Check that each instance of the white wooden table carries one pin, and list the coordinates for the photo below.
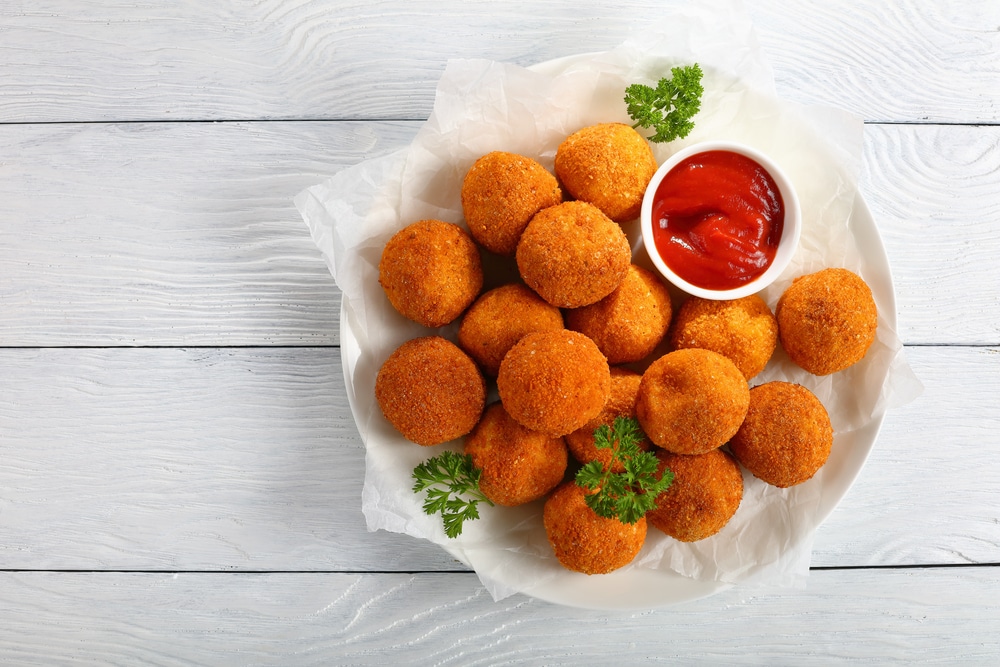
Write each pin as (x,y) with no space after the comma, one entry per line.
(180,473)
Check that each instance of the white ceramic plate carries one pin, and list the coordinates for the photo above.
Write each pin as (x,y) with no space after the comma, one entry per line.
(642,588)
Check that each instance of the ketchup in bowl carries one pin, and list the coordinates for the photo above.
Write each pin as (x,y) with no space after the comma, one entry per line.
(716,218)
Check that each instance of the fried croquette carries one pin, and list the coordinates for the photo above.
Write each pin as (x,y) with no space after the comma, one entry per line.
(608,165)
(692,401)
(705,493)
(573,255)
(501,193)
(431,271)
(620,403)
(629,323)
(430,390)
(499,318)
(554,381)
(582,540)
(786,436)
(518,465)
(744,330)
(827,320)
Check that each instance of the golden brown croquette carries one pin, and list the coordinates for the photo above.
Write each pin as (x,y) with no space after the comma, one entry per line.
(827,320)
(554,381)
(518,465)
(431,271)
(620,403)
(744,330)
(501,193)
(608,165)
(582,540)
(573,255)
(786,436)
(629,323)
(692,401)
(705,493)
(499,318)
(430,390)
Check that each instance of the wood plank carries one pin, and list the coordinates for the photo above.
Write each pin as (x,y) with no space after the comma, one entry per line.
(895,617)
(248,459)
(307,59)
(96,250)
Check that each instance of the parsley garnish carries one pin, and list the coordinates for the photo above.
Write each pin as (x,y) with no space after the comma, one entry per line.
(459,477)
(669,107)
(628,495)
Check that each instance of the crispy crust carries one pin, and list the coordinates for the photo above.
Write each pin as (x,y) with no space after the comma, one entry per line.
(582,540)
(827,320)
(692,401)
(554,381)
(501,317)
(786,436)
(629,323)
(430,390)
(608,165)
(501,193)
(518,465)
(704,496)
(573,255)
(431,271)
(744,330)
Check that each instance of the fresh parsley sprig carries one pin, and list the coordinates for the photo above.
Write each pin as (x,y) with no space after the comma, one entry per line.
(669,107)
(452,485)
(628,495)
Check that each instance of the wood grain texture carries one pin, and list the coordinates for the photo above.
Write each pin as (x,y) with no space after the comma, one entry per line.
(99,60)
(897,617)
(248,459)
(97,249)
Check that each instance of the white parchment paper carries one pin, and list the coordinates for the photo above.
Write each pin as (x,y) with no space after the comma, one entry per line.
(482,106)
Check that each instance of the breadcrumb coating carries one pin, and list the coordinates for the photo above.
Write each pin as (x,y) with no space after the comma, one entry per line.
(608,165)
(554,381)
(743,330)
(786,436)
(620,403)
(692,401)
(582,540)
(500,194)
(573,255)
(518,465)
(430,390)
(431,271)
(827,320)
(706,492)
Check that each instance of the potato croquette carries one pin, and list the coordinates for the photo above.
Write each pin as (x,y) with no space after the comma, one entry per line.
(554,381)
(786,436)
(703,497)
(582,540)
(518,465)
(573,255)
(827,320)
(501,193)
(608,165)
(692,401)
(628,323)
(499,318)
(744,330)
(621,403)
(430,390)
(431,271)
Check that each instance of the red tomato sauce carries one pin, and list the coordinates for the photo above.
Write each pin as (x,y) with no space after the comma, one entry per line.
(717,219)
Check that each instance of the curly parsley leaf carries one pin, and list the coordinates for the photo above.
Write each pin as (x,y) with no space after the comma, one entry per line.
(669,107)
(451,485)
(627,495)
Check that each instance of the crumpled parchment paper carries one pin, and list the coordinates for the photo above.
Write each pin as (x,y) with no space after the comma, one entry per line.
(482,106)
